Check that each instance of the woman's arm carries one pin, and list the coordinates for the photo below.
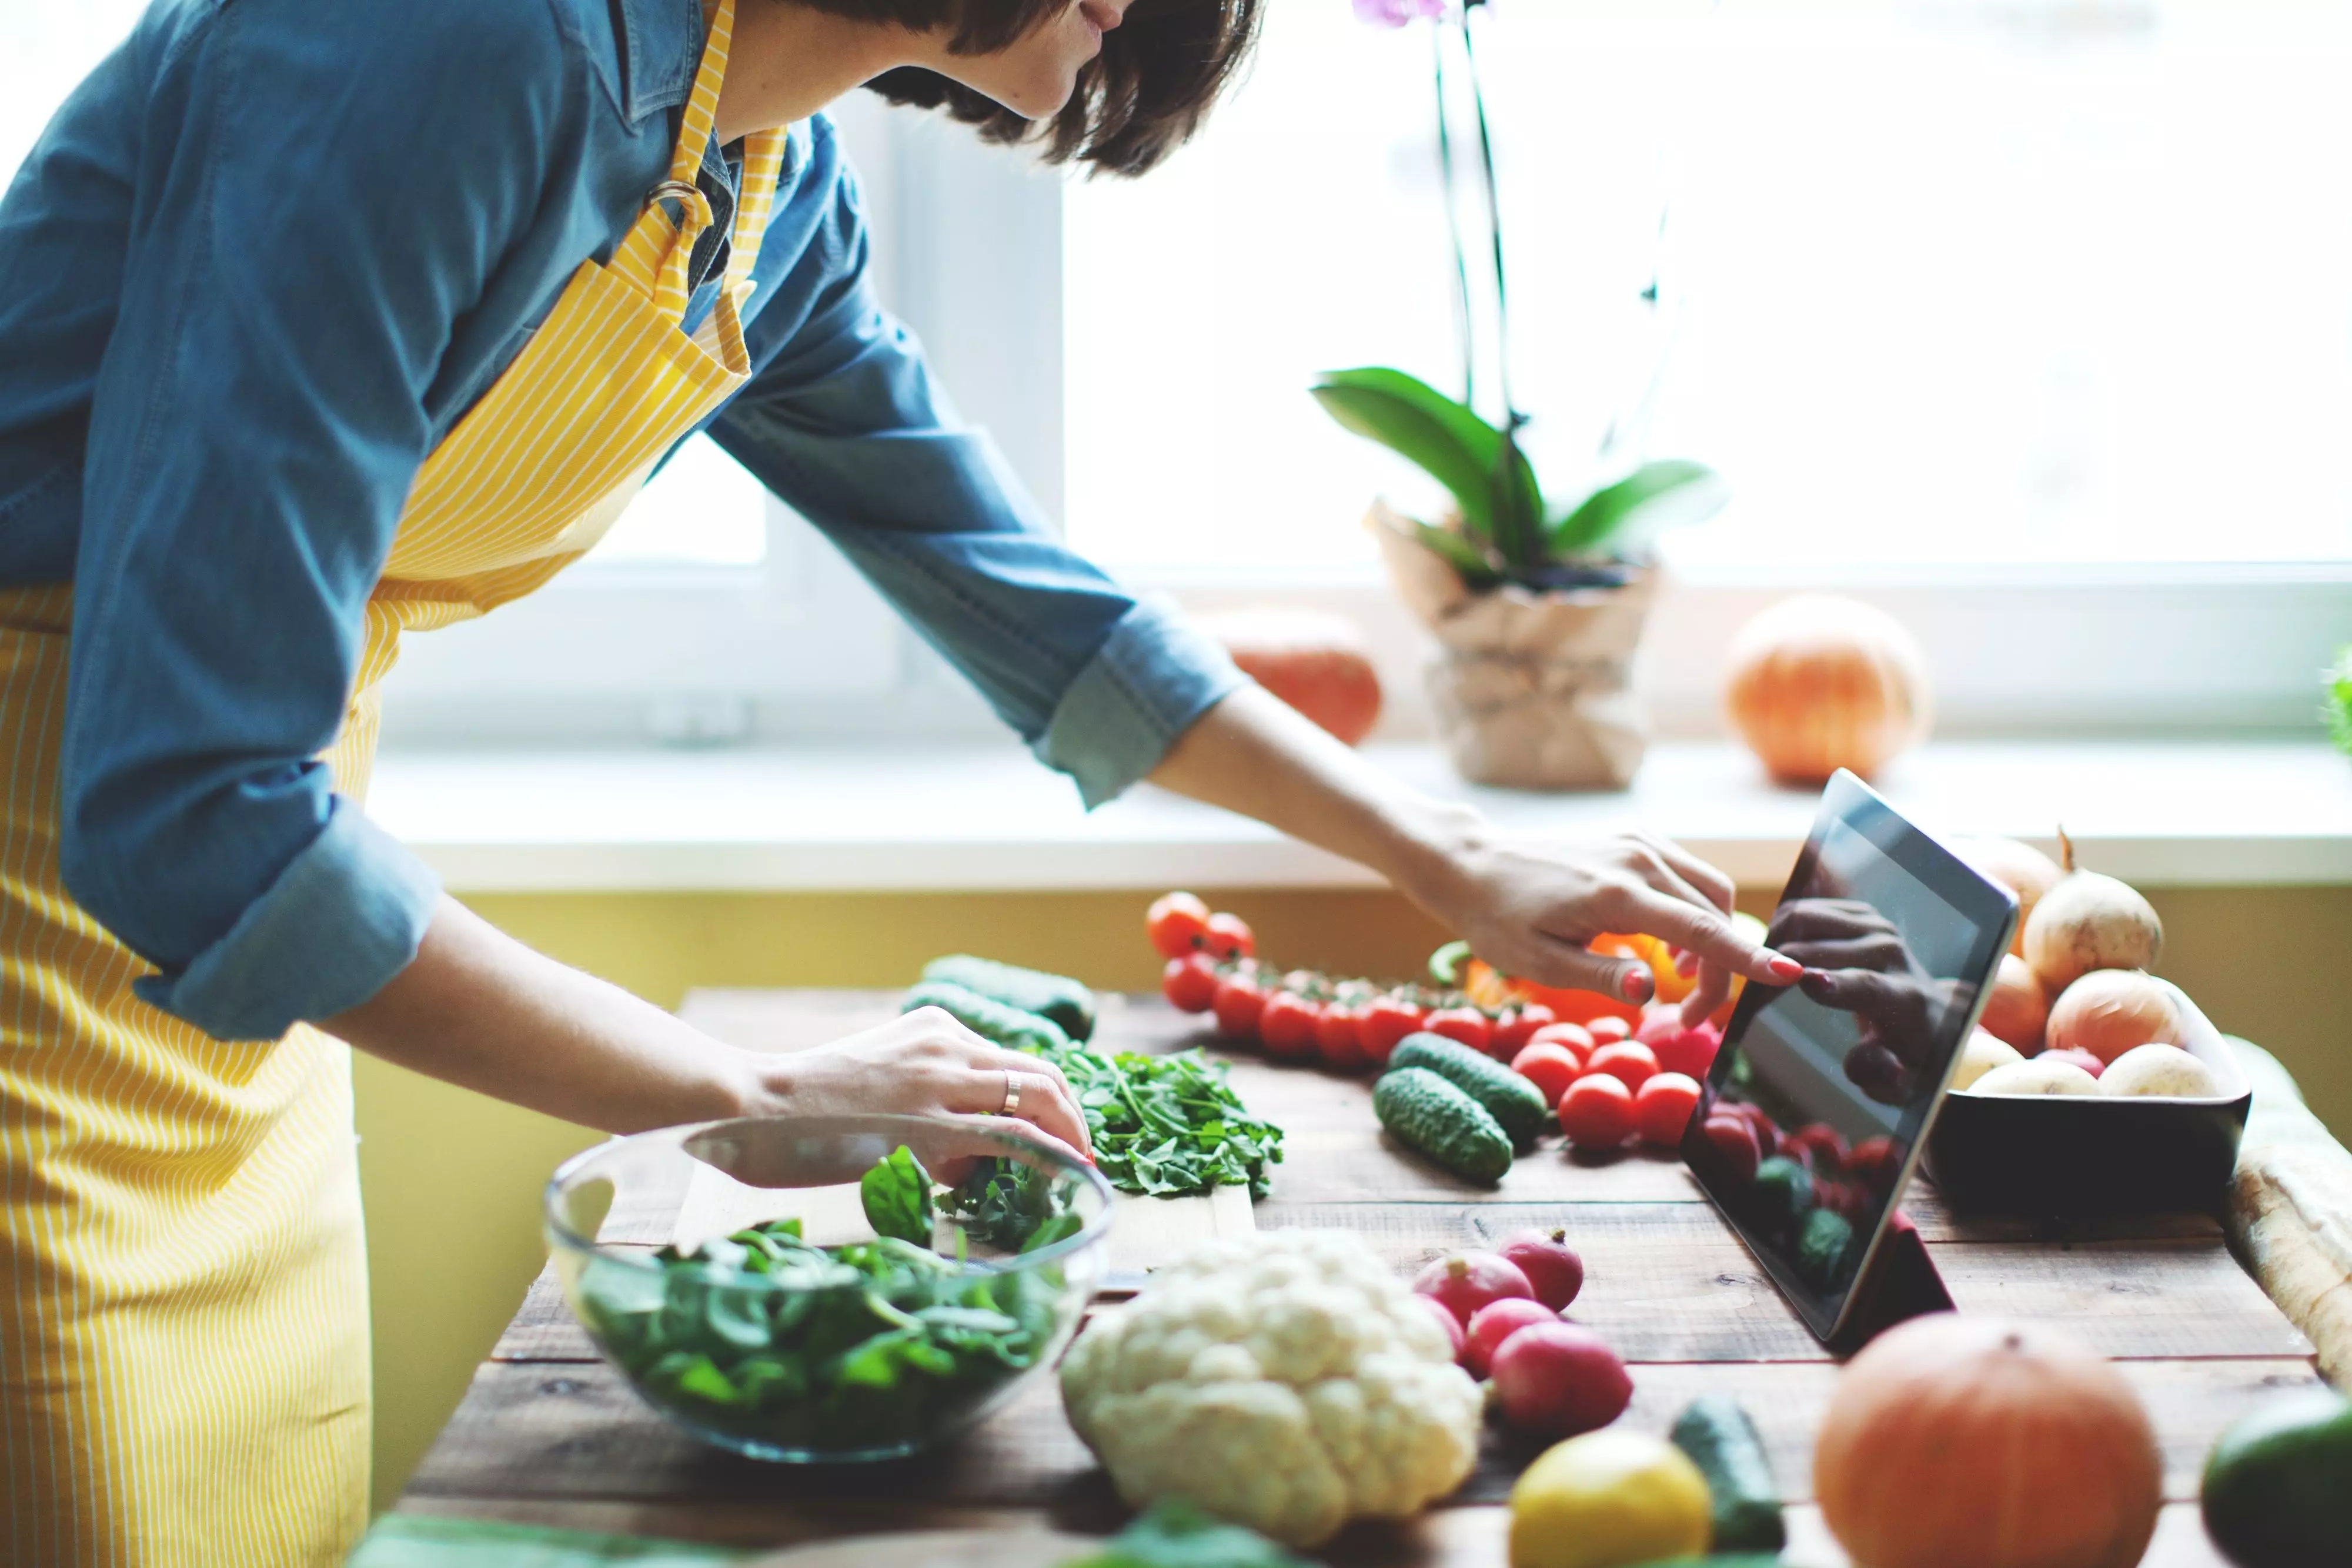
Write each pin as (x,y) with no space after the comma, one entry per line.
(479,1009)
(1527,907)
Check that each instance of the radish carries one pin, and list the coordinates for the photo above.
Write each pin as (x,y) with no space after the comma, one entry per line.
(1554,1270)
(1462,1282)
(1494,1323)
(1555,1380)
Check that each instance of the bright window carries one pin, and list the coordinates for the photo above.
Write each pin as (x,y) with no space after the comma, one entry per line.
(1978,281)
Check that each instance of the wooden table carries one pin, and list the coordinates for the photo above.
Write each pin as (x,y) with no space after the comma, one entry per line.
(548,1434)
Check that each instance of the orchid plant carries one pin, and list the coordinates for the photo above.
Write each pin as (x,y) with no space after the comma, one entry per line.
(1504,528)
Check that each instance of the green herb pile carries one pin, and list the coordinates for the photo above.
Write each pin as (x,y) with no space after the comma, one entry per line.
(1178,1535)
(2338,708)
(1162,1126)
(866,1345)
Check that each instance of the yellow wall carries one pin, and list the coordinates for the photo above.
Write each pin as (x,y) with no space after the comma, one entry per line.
(452,1180)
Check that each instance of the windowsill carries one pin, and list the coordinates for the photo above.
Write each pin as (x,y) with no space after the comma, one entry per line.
(911,818)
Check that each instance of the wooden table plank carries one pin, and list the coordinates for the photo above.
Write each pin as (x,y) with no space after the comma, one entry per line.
(550,1434)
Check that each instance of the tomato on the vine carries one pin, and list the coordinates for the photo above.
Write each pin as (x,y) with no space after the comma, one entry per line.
(1190,983)
(1386,1022)
(1239,1002)
(1340,1037)
(1176,923)
(1516,1027)
(1288,1025)
(1228,937)
(1466,1025)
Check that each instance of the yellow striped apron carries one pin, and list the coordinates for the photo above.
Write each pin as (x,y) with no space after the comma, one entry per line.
(184,1330)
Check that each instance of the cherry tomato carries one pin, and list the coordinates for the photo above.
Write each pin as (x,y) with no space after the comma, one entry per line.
(1597,1112)
(1176,922)
(1735,1141)
(1190,983)
(1386,1022)
(1820,1147)
(1228,937)
(1767,1131)
(1874,1161)
(1287,1026)
(1608,1027)
(1467,1025)
(1663,1107)
(1574,1038)
(1240,1000)
(1550,1068)
(1628,1060)
(1689,1051)
(1516,1027)
(1340,1037)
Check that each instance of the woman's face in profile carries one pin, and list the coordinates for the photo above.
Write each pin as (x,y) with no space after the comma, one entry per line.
(1034,76)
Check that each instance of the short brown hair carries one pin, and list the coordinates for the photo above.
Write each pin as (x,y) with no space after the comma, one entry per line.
(1159,73)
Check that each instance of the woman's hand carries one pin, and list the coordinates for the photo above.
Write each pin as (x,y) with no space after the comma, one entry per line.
(1529,908)
(923,1063)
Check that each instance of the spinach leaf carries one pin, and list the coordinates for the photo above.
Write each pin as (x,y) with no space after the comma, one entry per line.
(1178,1535)
(897,1197)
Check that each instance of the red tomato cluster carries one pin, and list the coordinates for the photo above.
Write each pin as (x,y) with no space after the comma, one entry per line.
(1608,1087)
(1305,1014)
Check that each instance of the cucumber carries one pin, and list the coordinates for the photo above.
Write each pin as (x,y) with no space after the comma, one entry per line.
(1722,1442)
(1055,996)
(1783,1191)
(1442,1121)
(1516,1105)
(990,1018)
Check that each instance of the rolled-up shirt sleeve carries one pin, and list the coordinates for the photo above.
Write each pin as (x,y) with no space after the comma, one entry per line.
(846,425)
(255,430)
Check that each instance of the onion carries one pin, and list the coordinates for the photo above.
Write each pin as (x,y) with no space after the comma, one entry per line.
(2089,922)
(1818,683)
(2160,1069)
(2109,1011)
(2038,1076)
(2018,867)
(2016,1010)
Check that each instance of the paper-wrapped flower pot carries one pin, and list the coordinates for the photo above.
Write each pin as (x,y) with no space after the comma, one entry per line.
(1531,690)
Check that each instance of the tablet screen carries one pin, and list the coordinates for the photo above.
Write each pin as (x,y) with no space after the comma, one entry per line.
(1834,1078)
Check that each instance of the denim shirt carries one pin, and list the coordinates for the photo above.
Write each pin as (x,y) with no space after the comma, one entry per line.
(260,263)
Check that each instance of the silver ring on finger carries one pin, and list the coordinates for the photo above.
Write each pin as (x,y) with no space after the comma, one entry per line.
(1012,1105)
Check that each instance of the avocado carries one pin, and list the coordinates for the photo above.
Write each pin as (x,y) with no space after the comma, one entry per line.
(2278,1485)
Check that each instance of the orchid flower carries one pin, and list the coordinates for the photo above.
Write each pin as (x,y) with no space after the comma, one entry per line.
(1398,13)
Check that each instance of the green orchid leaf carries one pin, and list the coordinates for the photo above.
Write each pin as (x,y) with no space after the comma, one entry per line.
(1468,562)
(1445,439)
(1602,517)
(897,1197)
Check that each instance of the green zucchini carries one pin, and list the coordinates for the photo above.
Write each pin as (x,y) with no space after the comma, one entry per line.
(990,1018)
(1055,996)
(1516,1105)
(1721,1441)
(1441,1121)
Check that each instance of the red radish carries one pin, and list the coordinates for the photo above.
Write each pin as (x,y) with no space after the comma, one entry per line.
(1629,1061)
(1608,1027)
(1550,1068)
(1466,1026)
(1554,1270)
(1454,1336)
(1689,1051)
(1493,1323)
(1555,1380)
(1597,1112)
(1662,1109)
(1735,1139)
(1462,1282)
(2079,1056)
(1336,1037)
(1575,1037)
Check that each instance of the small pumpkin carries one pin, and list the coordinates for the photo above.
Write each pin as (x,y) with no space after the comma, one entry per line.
(1818,683)
(1964,1442)
(1314,661)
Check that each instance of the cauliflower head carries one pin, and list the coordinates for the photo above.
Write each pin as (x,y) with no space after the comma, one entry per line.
(1285,1380)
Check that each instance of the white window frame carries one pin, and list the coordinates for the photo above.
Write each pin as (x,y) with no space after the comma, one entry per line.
(969,252)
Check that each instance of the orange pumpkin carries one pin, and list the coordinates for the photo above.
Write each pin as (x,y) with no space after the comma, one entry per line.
(1819,682)
(1962,1442)
(1314,661)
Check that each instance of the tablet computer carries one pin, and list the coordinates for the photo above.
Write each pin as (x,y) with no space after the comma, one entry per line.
(1834,1078)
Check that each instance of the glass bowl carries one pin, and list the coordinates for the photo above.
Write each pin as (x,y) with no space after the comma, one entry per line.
(730,1271)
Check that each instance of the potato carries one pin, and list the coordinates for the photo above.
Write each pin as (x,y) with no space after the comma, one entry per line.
(1981,1055)
(2037,1077)
(2165,1071)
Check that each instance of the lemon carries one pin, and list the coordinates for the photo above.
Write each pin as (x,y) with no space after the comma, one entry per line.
(1606,1500)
